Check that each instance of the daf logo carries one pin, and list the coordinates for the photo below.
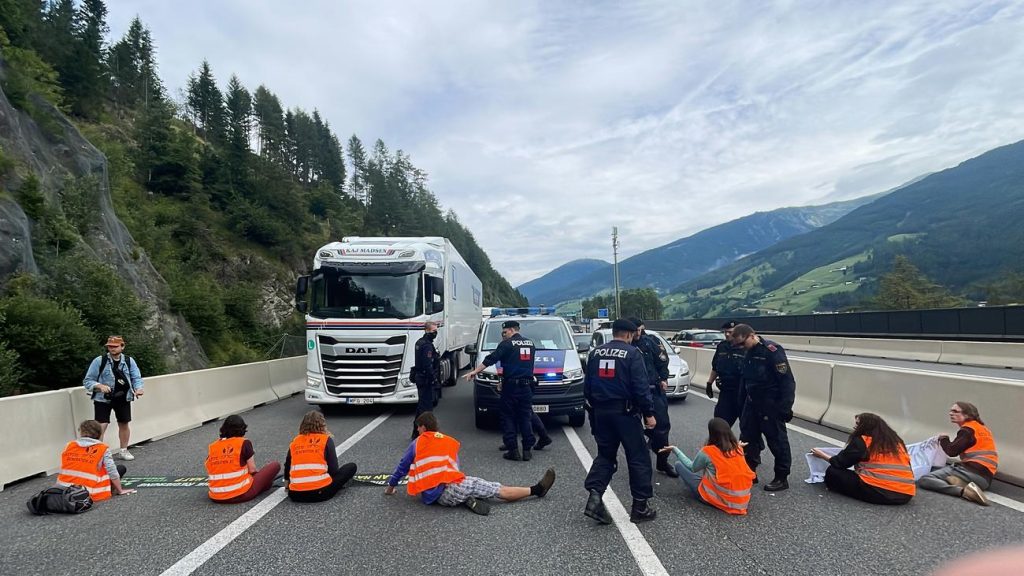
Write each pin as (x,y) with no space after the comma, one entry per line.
(360,350)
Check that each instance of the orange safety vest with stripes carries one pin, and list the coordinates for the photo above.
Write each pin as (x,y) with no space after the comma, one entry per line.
(435,462)
(227,478)
(308,469)
(983,452)
(728,489)
(891,472)
(83,465)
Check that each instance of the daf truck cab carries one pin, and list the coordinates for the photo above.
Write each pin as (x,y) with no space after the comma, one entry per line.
(366,302)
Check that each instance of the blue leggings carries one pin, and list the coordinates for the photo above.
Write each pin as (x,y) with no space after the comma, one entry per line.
(690,479)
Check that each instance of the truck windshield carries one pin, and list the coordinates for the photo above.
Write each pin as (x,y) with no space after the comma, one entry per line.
(546,334)
(341,294)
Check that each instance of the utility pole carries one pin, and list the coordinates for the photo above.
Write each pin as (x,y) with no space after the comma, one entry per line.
(615,256)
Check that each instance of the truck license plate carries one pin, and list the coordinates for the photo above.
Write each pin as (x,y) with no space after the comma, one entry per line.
(541,408)
(360,400)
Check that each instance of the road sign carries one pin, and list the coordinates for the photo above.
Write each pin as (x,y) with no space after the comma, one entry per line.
(602,312)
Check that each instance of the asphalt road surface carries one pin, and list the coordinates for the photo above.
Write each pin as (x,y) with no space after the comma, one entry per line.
(176,530)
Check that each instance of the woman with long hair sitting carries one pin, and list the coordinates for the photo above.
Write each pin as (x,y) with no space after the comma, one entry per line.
(231,466)
(979,459)
(881,473)
(718,476)
(311,468)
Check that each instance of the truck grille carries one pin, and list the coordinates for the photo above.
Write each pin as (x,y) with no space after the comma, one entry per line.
(351,373)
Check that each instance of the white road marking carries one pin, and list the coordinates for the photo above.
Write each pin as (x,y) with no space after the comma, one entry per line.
(218,541)
(1001,500)
(644,555)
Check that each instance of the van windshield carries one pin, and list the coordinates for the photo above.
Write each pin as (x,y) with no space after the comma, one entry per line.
(547,334)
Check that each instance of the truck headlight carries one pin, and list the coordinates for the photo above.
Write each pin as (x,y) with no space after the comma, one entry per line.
(404,382)
(574,374)
(313,382)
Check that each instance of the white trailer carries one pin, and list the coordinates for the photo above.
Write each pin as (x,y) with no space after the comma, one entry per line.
(368,300)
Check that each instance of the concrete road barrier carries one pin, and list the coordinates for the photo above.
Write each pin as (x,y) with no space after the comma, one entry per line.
(36,429)
(287,376)
(923,350)
(916,405)
(813,388)
(231,389)
(995,354)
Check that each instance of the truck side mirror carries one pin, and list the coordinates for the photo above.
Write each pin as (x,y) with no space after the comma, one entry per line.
(471,349)
(435,294)
(301,286)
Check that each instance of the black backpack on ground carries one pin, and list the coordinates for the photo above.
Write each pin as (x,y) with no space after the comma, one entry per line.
(72,499)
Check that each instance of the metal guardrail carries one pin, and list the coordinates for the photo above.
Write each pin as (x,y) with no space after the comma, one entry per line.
(995,323)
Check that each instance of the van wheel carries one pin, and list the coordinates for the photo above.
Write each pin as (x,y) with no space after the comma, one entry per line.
(577,420)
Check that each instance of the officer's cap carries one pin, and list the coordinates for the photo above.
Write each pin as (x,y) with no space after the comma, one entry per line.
(729,325)
(509,324)
(623,325)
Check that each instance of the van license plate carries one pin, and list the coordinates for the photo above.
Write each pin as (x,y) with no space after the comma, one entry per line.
(541,408)
(360,400)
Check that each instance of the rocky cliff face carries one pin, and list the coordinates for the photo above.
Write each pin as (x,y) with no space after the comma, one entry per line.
(53,155)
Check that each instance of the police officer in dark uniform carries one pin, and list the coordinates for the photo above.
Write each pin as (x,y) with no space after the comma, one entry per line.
(516,354)
(656,365)
(424,371)
(727,369)
(770,392)
(618,392)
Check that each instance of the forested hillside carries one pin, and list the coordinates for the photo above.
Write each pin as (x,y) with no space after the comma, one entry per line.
(179,224)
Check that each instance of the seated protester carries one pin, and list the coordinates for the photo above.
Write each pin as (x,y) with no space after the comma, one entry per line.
(311,468)
(979,460)
(881,473)
(89,463)
(231,466)
(719,475)
(432,462)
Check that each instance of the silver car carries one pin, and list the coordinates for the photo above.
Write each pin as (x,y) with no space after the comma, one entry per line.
(679,375)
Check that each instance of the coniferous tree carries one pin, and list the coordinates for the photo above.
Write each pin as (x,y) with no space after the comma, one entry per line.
(270,131)
(357,156)
(239,126)
(206,103)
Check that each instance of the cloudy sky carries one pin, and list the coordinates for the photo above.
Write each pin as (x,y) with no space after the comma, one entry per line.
(544,124)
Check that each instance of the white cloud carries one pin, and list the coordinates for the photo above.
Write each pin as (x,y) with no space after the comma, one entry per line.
(544,124)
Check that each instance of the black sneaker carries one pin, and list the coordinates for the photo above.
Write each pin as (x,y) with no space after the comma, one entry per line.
(503,448)
(512,454)
(642,512)
(480,507)
(542,443)
(546,482)
(527,455)
(777,485)
(668,470)
(595,508)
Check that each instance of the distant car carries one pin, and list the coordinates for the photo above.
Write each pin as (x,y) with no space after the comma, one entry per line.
(679,375)
(698,338)
(583,346)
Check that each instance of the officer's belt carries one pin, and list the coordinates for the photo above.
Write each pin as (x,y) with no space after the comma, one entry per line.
(612,406)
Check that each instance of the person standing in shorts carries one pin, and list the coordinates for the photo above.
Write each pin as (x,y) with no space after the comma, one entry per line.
(115,382)
(432,463)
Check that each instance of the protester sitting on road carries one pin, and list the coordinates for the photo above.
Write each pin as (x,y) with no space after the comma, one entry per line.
(432,462)
(231,466)
(719,475)
(881,473)
(88,462)
(979,460)
(311,468)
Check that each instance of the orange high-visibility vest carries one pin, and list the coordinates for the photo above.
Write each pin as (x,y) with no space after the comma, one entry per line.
(983,451)
(83,465)
(435,462)
(890,472)
(227,478)
(308,469)
(729,488)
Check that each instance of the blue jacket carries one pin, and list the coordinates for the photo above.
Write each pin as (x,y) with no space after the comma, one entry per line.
(93,377)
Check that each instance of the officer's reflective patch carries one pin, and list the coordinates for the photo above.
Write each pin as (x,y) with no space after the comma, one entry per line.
(772,347)
(782,368)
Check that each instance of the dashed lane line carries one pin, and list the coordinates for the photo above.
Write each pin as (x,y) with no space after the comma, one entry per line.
(218,541)
(644,555)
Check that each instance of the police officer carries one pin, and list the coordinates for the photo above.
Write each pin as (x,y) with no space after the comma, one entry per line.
(516,354)
(424,372)
(656,365)
(617,392)
(770,392)
(727,369)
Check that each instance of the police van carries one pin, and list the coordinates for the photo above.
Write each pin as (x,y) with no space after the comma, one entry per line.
(557,366)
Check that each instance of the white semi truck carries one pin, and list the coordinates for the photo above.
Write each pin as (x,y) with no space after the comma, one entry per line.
(366,301)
